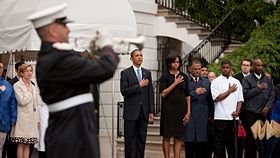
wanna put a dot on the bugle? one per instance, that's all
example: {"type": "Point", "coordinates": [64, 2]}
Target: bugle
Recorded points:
{"type": "Point", "coordinates": [121, 46]}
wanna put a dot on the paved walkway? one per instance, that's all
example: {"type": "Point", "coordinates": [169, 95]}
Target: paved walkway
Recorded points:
{"type": "Point", "coordinates": [106, 150]}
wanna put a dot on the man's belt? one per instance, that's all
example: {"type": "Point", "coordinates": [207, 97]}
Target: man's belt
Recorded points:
{"type": "Point", "coordinates": [70, 102]}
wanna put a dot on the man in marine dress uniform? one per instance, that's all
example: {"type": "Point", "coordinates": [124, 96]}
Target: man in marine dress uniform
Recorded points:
{"type": "Point", "coordinates": [64, 79]}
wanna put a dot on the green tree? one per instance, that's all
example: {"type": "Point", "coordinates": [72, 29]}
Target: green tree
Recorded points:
{"type": "Point", "coordinates": [264, 43]}
{"type": "Point", "coordinates": [246, 14]}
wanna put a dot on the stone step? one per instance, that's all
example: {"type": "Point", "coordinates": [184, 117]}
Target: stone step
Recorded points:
{"type": "Point", "coordinates": [203, 35]}
{"type": "Point", "coordinates": [185, 24]}
{"type": "Point", "coordinates": [156, 120]}
{"type": "Point", "coordinates": [154, 137]}
{"type": "Point", "coordinates": [153, 128]}
{"type": "Point", "coordinates": [232, 47]}
{"type": "Point", "coordinates": [197, 30]}
{"type": "Point", "coordinates": [164, 12]}
{"type": "Point", "coordinates": [150, 145]}
{"type": "Point", "coordinates": [217, 41]}
{"type": "Point", "coordinates": [148, 153]}
{"type": "Point", "coordinates": [228, 51]}
{"type": "Point", "coordinates": [173, 18]}
{"type": "Point", "coordinates": [235, 42]}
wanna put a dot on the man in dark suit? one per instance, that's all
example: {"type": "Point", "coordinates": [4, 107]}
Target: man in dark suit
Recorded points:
{"type": "Point", "coordinates": [136, 87]}
{"type": "Point", "coordinates": [245, 70]}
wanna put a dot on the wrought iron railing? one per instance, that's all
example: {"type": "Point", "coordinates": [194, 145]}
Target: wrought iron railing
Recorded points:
{"type": "Point", "coordinates": [205, 13]}
{"type": "Point", "coordinates": [214, 44]}
{"type": "Point", "coordinates": [120, 121]}
{"type": "Point", "coordinates": [214, 17]}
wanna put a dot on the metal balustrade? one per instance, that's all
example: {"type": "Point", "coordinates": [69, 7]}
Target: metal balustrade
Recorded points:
{"type": "Point", "coordinates": [210, 15]}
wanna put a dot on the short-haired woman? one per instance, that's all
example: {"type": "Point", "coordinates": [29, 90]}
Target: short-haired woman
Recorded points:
{"type": "Point", "coordinates": [174, 89]}
{"type": "Point", "coordinates": [25, 131]}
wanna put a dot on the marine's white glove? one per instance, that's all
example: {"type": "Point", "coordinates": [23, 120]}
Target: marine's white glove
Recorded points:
{"type": "Point", "coordinates": [103, 39]}
{"type": "Point", "coordinates": [120, 45]}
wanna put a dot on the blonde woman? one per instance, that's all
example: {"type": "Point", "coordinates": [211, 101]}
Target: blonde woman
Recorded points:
{"type": "Point", "coordinates": [25, 131]}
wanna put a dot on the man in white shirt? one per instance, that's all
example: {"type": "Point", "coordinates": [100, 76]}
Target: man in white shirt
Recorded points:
{"type": "Point", "coordinates": [228, 97]}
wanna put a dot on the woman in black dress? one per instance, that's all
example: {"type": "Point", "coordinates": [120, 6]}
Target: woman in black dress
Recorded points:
{"type": "Point", "coordinates": [174, 89]}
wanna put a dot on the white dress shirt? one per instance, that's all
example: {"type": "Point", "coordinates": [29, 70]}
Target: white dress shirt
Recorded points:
{"type": "Point", "coordinates": [135, 70]}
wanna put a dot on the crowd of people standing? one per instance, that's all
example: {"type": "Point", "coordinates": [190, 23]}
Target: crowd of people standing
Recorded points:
{"type": "Point", "coordinates": [217, 106]}
{"type": "Point", "coordinates": [202, 112]}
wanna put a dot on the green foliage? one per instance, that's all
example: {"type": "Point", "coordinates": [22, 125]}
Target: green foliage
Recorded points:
{"type": "Point", "coordinates": [245, 15]}
{"type": "Point", "coordinates": [264, 44]}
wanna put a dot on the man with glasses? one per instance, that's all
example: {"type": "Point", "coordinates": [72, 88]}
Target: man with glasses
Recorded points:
{"type": "Point", "coordinates": [64, 78]}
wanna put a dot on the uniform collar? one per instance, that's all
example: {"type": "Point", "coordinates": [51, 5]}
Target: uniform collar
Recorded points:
{"type": "Point", "coordinates": [46, 47]}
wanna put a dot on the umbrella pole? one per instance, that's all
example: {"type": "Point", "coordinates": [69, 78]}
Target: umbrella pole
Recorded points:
{"type": "Point", "coordinates": [235, 136]}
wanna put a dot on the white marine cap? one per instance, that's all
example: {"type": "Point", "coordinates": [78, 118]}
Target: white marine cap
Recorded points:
{"type": "Point", "coordinates": [132, 48]}
{"type": "Point", "coordinates": [49, 15]}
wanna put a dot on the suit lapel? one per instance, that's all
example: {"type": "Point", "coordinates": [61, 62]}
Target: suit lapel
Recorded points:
{"type": "Point", "coordinates": [144, 73]}
{"type": "Point", "coordinates": [132, 74]}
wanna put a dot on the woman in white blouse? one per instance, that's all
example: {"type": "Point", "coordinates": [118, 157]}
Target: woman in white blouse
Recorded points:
{"type": "Point", "coordinates": [25, 131]}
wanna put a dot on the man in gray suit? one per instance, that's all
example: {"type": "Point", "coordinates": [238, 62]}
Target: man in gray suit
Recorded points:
{"type": "Point", "coordinates": [137, 90]}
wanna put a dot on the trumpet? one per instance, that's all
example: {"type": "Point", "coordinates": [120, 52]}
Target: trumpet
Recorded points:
{"type": "Point", "coordinates": [122, 46]}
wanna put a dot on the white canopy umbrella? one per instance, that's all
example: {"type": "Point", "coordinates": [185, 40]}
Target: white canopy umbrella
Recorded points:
{"type": "Point", "coordinates": [16, 33]}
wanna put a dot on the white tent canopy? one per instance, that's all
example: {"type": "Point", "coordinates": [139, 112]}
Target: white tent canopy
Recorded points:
{"type": "Point", "coordinates": [88, 15]}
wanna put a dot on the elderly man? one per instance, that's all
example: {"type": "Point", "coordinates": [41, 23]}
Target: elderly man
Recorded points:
{"type": "Point", "coordinates": [64, 79]}
{"type": "Point", "coordinates": [258, 99]}
{"type": "Point", "coordinates": [211, 75]}
{"type": "Point", "coordinates": [195, 137]}
{"type": "Point", "coordinates": [8, 106]}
